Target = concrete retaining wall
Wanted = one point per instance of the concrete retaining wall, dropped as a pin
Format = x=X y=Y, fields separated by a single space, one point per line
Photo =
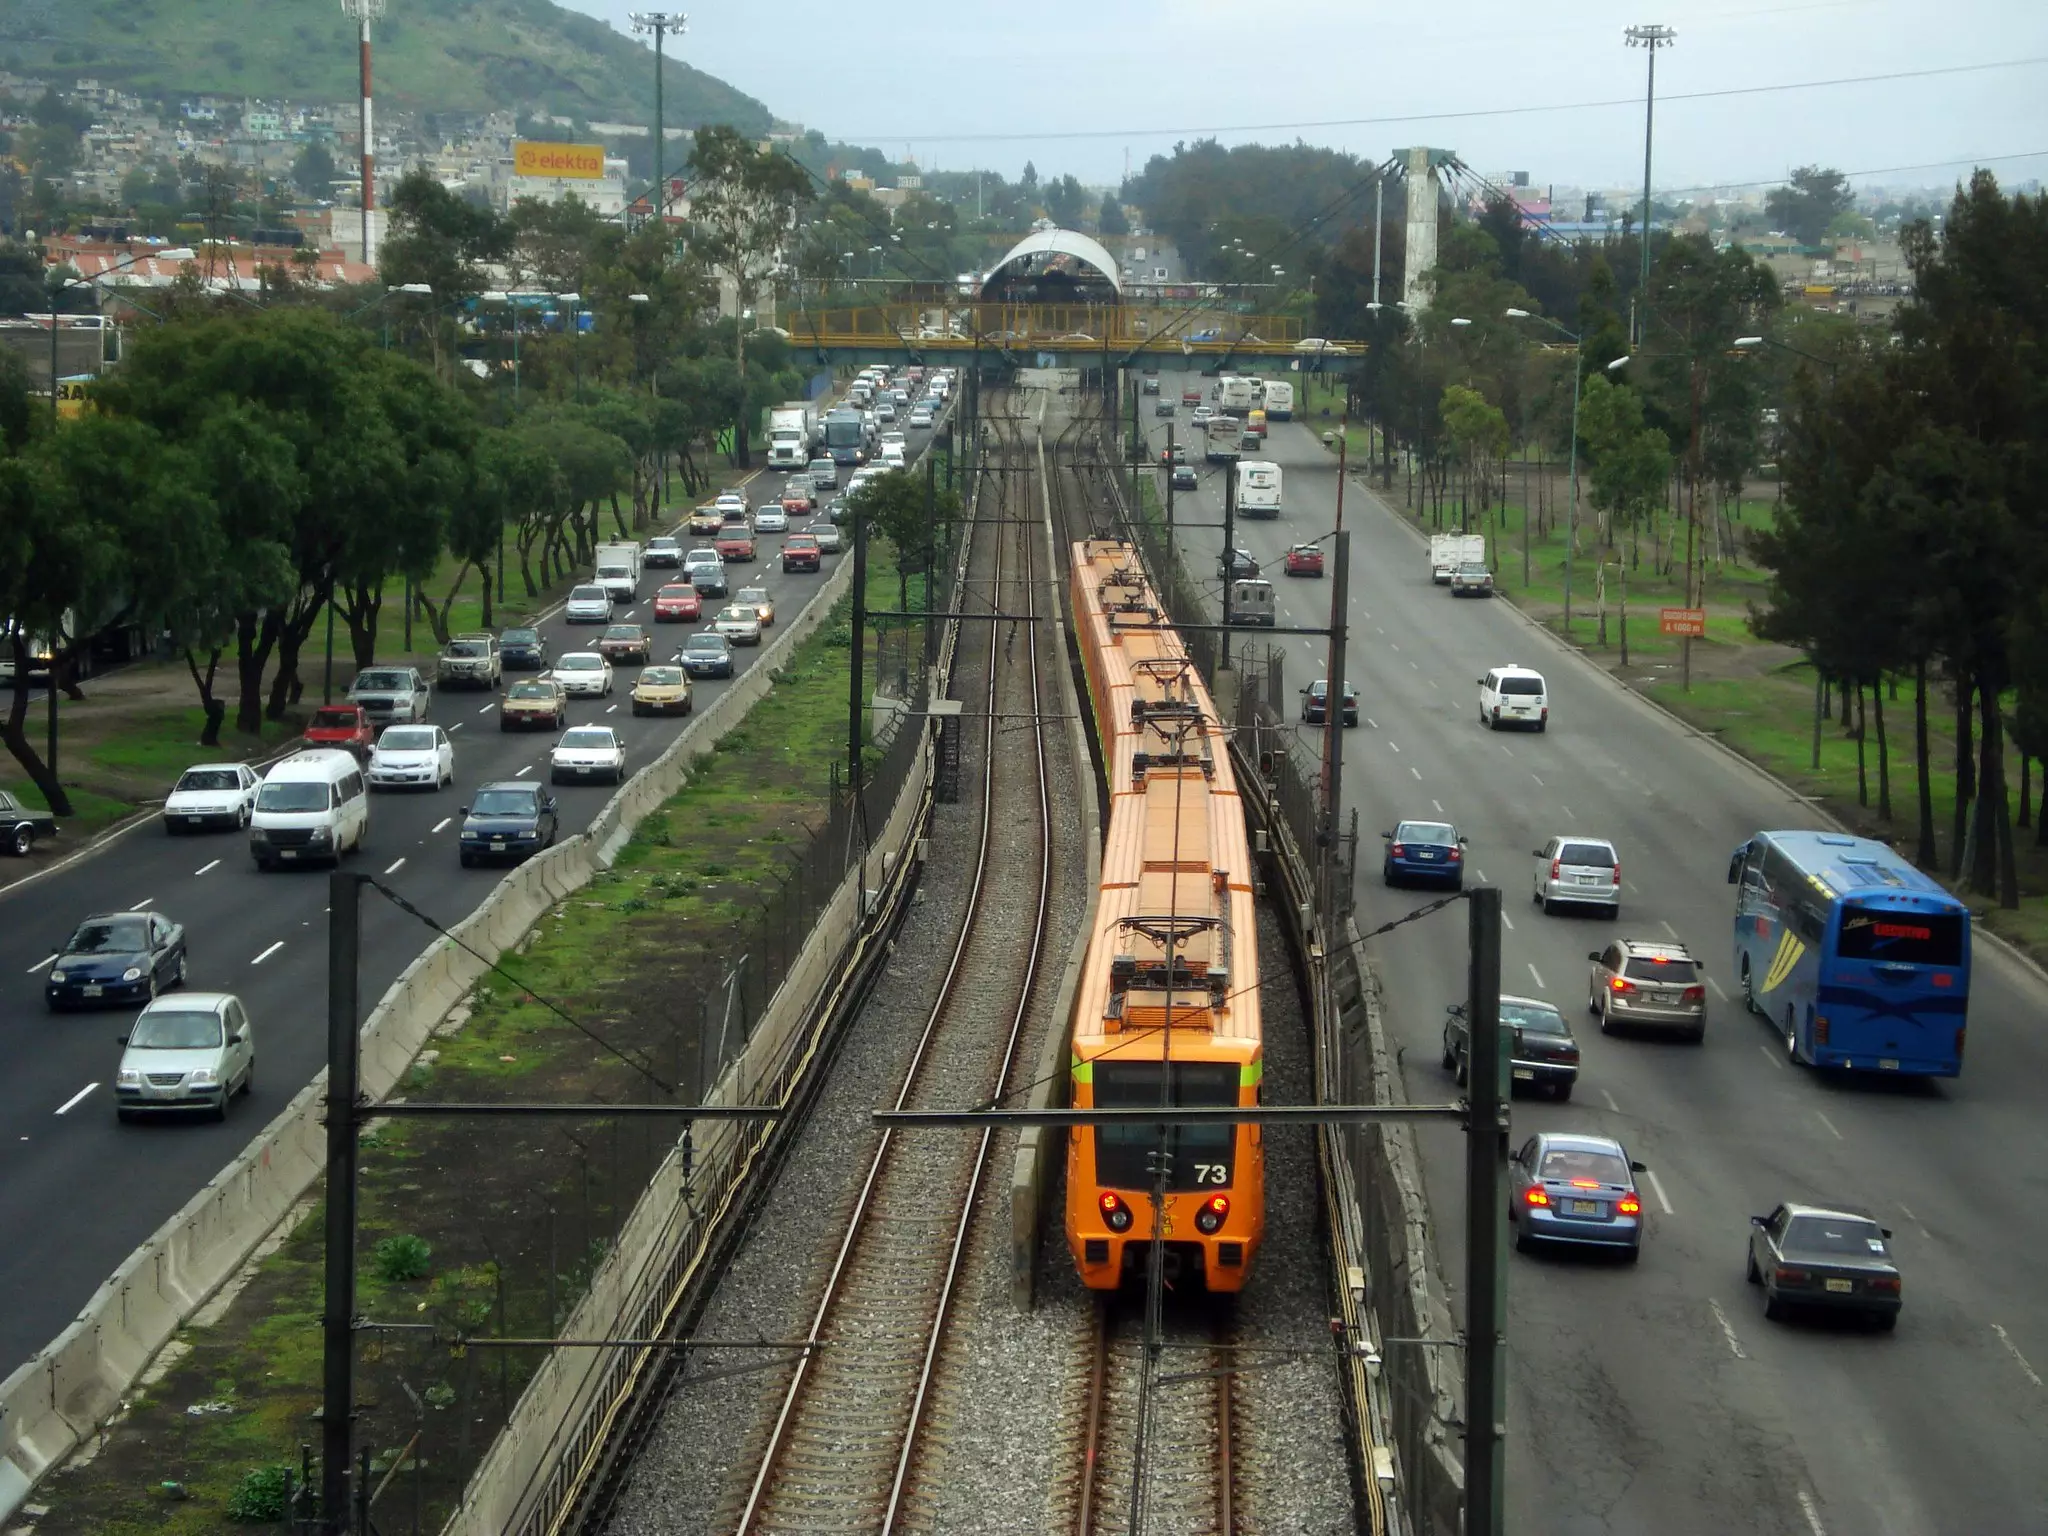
x=72 y=1387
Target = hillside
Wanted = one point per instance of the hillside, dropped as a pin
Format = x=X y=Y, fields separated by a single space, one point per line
x=431 y=55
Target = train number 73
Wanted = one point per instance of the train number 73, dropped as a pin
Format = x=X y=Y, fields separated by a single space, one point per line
x=1212 y=1173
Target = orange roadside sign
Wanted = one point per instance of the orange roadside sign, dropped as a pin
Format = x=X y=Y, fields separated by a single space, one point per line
x=1682 y=621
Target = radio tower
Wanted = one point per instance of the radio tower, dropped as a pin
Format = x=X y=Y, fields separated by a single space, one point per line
x=363 y=12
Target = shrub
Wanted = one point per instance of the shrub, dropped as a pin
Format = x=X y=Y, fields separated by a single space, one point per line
x=404 y=1257
x=263 y=1496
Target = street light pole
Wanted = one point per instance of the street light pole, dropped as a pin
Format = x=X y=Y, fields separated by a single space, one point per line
x=1650 y=37
x=1571 y=537
x=661 y=24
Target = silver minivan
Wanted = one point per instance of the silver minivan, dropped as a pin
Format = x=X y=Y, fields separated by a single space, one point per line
x=1578 y=870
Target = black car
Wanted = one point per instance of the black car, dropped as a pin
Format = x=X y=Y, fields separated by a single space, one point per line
x=20 y=826
x=1315 y=703
x=523 y=650
x=116 y=957
x=1543 y=1053
x=510 y=820
x=706 y=654
x=1184 y=478
x=1236 y=563
x=1828 y=1259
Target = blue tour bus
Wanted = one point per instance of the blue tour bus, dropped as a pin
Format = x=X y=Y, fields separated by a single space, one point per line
x=845 y=435
x=1858 y=959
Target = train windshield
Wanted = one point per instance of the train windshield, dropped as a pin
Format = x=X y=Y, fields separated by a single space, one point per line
x=1199 y=1156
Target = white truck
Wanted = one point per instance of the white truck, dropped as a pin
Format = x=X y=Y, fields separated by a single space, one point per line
x=789 y=435
x=1279 y=400
x=1235 y=395
x=1258 y=488
x=618 y=570
x=1448 y=551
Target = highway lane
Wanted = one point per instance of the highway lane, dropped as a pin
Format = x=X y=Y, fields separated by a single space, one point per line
x=78 y=1190
x=1656 y=1398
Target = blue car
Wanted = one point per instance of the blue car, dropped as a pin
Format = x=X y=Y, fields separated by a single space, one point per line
x=1575 y=1190
x=1424 y=850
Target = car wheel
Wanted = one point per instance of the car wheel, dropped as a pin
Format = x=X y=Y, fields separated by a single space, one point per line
x=1774 y=1309
x=1387 y=876
x=1593 y=1007
x=125 y=1116
x=1791 y=1039
x=249 y=1078
x=1524 y=1243
x=504 y=725
x=153 y=988
x=1542 y=726
x=1450 y=1055
x=1755 y=1276
x=1698 y=1036
x=1631 y=1254
x=220 y=1108
x=22 y=839
x=178 y=975
x=1748 y=989
x=242 y=820
x=467 y=861
x=170 y=828
x=1464 y=1071
x=1886 y=1321
x=1544 y=902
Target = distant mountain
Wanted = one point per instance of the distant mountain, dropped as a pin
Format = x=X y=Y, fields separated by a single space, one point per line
x=429 y=55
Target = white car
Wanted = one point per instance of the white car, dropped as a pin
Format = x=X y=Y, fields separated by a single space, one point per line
x=1514 y=695
x=886 y=411
x=411 y=757
x=586 y=754
x=190 y=1051
x=921 y=416
x=590 y=604
x=895 y=440
x=211 y=795
x=584 y=675
x=739 y=623
x=731 y=499
x=827 y=535
x=771 y=519
x=892 y=456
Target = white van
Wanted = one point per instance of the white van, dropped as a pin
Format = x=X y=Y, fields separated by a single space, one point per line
x=1512 y=695
x=1251 y=601
x=313 y=807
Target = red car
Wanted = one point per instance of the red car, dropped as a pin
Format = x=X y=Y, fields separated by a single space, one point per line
x=1192 y=396
x=1305 y=560
x=735 y=543
x=800 y=552
x=342 y=726
x=796 y=503
x=677 y=603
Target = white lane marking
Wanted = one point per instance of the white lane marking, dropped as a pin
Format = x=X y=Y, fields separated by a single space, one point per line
x=1717 y=989
x=455 y=727
x=1372 y=722
x=1392 y=647
x=1824 y=1120
x=2013 y=1349
x=1395 y=745
x=1439 y=806
x=487 y=709
x=1806 y=1508
x=1907 y=1212
x=1433 y=682
x=394 y=868
x=1539 y=782
x=631 y=611
x=523 y=772
x=1507 y=749
x=442 y=823
x=1668 y=928
x=1657 y=1189
x=1568 y=814
x=1610 y=1101
x=202 y=869
x=1417 y=772
x=1507 y=922
x=1482 y=880
x=611 y=709
x=1377 y=630
x=1771 y=1056
x=1414 y=667
x=1735 y=1348
x=1537 y=974
x=41 y=963
x=140 y=905
x=268 y=953
x=78 y=1098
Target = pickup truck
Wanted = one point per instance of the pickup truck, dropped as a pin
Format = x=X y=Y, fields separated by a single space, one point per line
x=343 y=726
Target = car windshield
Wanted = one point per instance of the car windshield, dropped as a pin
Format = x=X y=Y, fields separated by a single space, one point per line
x=588 y=736
x=1835 y=1236
x=207 y=778
x=587 y=595
x=755 y=595
x=410 y=738
x=1592 y=855
x=661 y=677
x=181 y=1031
x=677 y=590
x=531 y=691
x=503 y=802
x=580 y=662
x=1480 y=570
x=1533 y=1018
x=623 y=632
x=714 y=643
x=1424 y=832
x=397 y=681
x=661 y=544
x=520 y=636
x=334 y=719
x=1662 y=968
x=301 y=796
x=741 y=615
x=1527 y=686
x=1571 y=1164
x=109 y=936
x=466 y=648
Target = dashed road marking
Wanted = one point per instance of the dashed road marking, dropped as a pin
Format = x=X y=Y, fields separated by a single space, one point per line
x=1372 y=722
x=1506 y=748
x=1668 y=928
x=1824 y=1120
x=1395 y=745
x=1771 y=1056
x=394 y=868
x=487 y=709
x=1537 y=974
x=2014 y=1350
x=1610 y=1101
x=1735 y=1348
x=40 y=964
x=140 y=905
x=1393 y=647
x=1717 y=989
x=1812 y=1513
x=1657 y=1189
x=1539 y=782
x=523 y=772
x=1439 y=806
x=1482 y=880
x=1507 y=922
x=455 y=727
x=442 y=823
x=202 y=869
x=611 y=709
x=1417 y=772
x=76 y=1099
x=268 y=953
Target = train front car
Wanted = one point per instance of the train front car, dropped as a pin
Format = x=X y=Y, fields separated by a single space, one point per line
x=1167 y=1012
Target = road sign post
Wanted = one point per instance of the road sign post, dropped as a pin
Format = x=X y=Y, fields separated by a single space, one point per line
x=1682 y=621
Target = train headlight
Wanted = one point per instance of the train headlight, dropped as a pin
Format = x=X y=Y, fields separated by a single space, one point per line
x=1211 y=1216
x=1114 y=1211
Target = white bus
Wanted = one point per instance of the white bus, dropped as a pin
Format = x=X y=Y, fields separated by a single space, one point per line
x=1258 y=488
x=1220 y=435
x=1235 y=395
x=1279 y=401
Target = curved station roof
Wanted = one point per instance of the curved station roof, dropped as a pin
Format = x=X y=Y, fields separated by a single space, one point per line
x=1054 y=266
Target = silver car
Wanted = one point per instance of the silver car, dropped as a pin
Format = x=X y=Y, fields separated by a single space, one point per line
x=1647 y=984
x=588 y=604
x=1578 y=870
x=194 y=1051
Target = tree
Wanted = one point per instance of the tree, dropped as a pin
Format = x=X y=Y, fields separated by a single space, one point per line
x=1478 y=433
x=1112 y=221
x=439 y=239
x=313 y=173
x=895 y=506
x=1629 y=462
x=1065 y=203
x=1808 y=202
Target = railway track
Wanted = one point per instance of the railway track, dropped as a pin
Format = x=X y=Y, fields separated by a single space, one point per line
x=844 y=1448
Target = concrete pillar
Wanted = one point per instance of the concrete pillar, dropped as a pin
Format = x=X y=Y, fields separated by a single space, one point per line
x=1421 y=247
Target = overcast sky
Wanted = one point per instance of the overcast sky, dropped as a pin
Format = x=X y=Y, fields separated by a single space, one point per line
x=1090 y=88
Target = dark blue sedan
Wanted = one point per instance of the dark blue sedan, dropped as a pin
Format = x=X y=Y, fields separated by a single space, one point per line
x=1424 y=850
x=120 y=957
x=1577 y=1190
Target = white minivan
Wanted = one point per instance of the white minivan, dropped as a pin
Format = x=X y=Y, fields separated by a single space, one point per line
x=313 y=808
x=1512 y=695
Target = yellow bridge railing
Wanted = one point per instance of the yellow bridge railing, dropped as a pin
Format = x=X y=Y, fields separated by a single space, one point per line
x=1067 y=328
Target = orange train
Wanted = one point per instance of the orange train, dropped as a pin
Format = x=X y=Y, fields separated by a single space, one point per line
x=1168 y=1007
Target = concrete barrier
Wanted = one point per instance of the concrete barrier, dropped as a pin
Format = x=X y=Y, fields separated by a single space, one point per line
x=73 y=1386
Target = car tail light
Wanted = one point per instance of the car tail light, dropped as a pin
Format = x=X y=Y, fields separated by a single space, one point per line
x=1554 y=863
x=1211 y=1215
x=1695 y=994
x=1546 y=712
x=1887 y=1283
x=1820 y=1029
x=1785 y=1276
x=1621 y=984
x=1617 y=873
x=1629 y=1205
x=1114 y=1211
x=1397 y=850
x=1455 y=855
x=1535 y=1195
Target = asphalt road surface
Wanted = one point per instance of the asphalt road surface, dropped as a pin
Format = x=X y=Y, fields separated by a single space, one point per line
x=80 y=1191
x=1657 y=1398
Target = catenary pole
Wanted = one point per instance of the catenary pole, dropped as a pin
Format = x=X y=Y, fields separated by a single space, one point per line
x=1485 y=1225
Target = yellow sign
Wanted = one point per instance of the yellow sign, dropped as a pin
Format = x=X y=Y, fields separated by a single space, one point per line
x=71 y=396
x=580 y=162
